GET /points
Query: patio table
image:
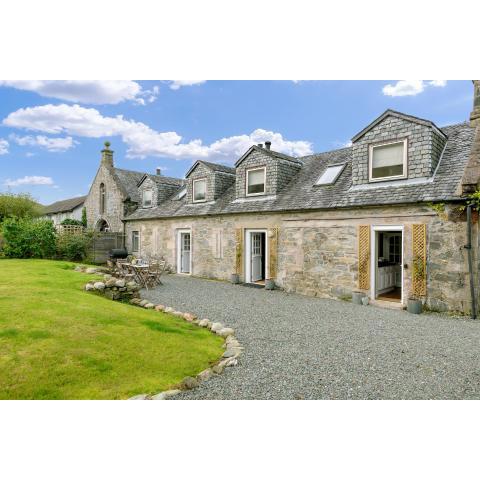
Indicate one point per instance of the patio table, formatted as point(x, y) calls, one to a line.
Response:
point(141, 272)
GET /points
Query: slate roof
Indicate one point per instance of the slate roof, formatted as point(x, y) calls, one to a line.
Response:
point(404, 116)
point(215, 167)
point(128, 180)
point(302, 193)
point(161, 179)
point(64, 205)
point(267, 151)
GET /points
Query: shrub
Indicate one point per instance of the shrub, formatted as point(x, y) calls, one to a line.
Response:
point(71, 221)
point(73, 247)
point(28, 238)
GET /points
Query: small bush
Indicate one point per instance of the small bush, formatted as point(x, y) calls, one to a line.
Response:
point(28, 238)
point(73, 247)
point(71, 221)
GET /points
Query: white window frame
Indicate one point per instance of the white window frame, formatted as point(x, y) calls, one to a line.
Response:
point(143, 198)
point(247, 172)
point(193, 190)
point(405, 160)
point(138, 249)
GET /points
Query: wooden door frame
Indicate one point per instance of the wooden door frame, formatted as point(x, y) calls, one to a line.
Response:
point(373, 257)
point(248, 252)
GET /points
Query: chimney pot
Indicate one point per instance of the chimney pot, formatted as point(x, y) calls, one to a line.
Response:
point(268, 145)
point(260, 145)
point(159, 171)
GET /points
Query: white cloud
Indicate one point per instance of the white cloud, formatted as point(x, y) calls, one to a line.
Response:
point(176, 84)
point(140, 138)
point(410, 87)
point(52, 144)
point(29, 180)
point(3, 146)
point(87, 91)
point(437, 83)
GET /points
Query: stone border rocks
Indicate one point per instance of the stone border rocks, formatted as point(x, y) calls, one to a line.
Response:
point(117, 289)
point(232, 347)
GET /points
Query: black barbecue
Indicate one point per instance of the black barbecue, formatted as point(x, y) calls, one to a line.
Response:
point(118, 253)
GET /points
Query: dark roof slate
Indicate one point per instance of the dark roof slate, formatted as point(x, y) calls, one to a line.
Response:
point(64, 205)
point(128, 180)
point(215, 167)
point(404, 116)
point(161, 180)
point(302, 193)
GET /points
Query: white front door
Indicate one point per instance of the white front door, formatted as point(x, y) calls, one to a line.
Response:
point(185, 252)
point(256, 256)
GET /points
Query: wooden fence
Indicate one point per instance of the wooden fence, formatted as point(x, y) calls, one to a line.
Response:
point(103, 242)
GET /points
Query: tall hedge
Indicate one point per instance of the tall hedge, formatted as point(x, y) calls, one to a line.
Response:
point(28, 238)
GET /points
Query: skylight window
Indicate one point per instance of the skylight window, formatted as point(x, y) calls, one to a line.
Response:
point(330, 175)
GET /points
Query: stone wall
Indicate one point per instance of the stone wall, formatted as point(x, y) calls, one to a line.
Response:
point(279, 172)
point(114, 207)
point(318, 251)
point(425, 147)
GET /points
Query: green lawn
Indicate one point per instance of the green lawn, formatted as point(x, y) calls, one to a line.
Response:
point(59, 342)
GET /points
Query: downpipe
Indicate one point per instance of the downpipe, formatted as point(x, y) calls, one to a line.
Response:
point(468, 247)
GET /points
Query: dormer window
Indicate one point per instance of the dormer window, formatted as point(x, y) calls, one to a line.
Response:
point(330, 175)
point(388, 161)
point(199, 190)
point(256, 181)
point(147, 198)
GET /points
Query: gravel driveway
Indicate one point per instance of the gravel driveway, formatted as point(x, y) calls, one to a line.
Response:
point(299, 347)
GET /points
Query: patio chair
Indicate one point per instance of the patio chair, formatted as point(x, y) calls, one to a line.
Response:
point(125, 271)
point(155, 271)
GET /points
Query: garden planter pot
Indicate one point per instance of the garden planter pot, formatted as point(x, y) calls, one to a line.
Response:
point(414, 306)
point(234, 278)
point(269, 284)
point(357, 298)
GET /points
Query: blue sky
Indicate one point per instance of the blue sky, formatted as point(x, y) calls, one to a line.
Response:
point(51, 132)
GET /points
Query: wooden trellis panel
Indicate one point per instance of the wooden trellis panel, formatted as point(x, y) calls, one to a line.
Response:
point(239, 251)
point(364, 257)
point(273, 252)
point(419, 251)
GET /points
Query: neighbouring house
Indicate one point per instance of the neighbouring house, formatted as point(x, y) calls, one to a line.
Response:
point(71, 208)
point(384, 216)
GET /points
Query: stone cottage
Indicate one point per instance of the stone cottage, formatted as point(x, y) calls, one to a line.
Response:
point(384, 216)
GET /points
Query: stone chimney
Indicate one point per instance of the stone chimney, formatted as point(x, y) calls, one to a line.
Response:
point(471, 177)
point(158, 171)
point(475, 115)
point(268, 145)
point(107, 156)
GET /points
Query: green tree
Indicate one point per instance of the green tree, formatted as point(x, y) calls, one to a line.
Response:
point(84, 217)
point(18, 205)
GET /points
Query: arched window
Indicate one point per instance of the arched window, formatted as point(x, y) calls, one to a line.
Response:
point(102, 198)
